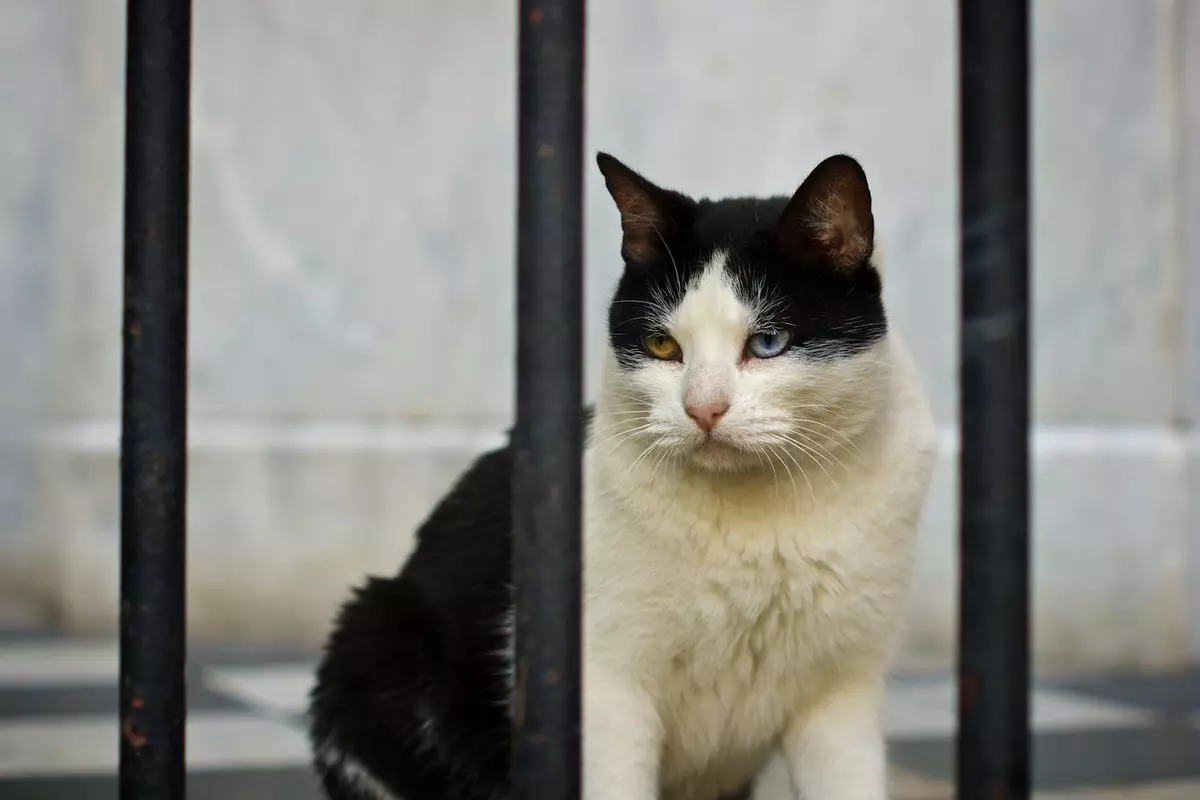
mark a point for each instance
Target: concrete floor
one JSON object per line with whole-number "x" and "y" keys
{"x": 1104, "y": 738}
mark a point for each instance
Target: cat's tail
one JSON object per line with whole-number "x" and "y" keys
{"x": 374, "y": 709}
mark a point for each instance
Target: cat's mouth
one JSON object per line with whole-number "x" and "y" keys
{"x": 717, "y": 453}
{"x": 719, "y": 446}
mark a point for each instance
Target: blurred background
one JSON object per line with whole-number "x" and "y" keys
{"x": 353, "y": 186}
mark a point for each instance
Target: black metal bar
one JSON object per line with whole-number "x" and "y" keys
{"x": 154, "y": 400}
{"x": 547, "y": 446}
{"x": 994, "y": 664}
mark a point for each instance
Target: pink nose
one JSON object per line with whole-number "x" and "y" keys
{"x": 708, "y": 415}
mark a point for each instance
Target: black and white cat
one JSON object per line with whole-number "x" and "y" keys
{"x": 755, "y": 466}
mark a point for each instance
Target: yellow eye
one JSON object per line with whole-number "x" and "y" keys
{"x": 663, "y": 347}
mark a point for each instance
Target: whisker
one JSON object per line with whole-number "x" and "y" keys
{"x": 624, "y": 396}
{"x": 831, "y": 429}
{"x": 643, "y": 454}
{"x": 623, "y": 435}
{"x": 626, "y": 412}
{"x": 792, "y": 478}
{"x": 632, "y": 301}
{"x": 666, "y": 454}
{"x": 759, "y": 450}
{"x": 813, "y": 453}
{"x": 804, "y": 443}
{"x": 800, "y": 469}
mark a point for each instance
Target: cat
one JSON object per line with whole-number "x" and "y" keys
{"x": 755, "y": 465}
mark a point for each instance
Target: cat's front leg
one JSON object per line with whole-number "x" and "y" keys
{"x": 835, "y": 749}
{"x": 622, "y": 739}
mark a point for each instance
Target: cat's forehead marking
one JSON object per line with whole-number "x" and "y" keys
{"x": 711, "y": 311}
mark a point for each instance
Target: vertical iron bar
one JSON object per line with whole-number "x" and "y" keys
{"x": 548, "y": 439}
{"x": 993, "y": 757}
{"x": 154, "y": 400}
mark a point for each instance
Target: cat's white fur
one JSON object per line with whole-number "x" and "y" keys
{"x": 352, "y": 771}
{"x": 745, "y": 595}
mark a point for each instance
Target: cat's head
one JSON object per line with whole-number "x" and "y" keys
{"x": 745, "y": 332}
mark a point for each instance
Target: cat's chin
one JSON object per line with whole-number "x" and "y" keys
{"x": 717, "y": 456}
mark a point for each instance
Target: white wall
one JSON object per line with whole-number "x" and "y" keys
{"x": 353, "y": 185}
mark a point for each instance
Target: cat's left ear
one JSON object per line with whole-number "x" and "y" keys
{"x": 829, "y": 220}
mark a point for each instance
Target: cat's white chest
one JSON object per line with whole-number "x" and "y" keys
{"x": 740, "y": 615}
{"x": 762, "y": 624}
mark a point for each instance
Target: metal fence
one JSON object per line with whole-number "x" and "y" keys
{"x": 993, "y": 742}
{"x": 154, "y": 400}
{"x": 993, "y": 755}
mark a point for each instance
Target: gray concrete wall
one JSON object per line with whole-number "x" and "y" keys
{"x": 38, "y": 100}
{"x": 353, "y": 184}
{"x": 1190, "y": 223}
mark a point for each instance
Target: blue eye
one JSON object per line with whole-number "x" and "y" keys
{"x": 768, "y": 344}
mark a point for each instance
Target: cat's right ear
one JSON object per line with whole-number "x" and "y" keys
{"x": 650, "y": 216}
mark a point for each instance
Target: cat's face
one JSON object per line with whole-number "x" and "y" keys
{"x": 745, "y": 333}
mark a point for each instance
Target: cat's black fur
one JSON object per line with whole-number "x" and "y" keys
{"x": 413, "y": 686}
